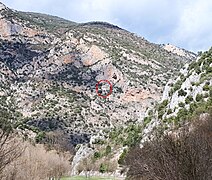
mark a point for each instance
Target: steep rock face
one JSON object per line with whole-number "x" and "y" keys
{"x": 188, "y": 95}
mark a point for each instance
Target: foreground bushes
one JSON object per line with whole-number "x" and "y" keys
{"x": 38, "y": 164}
{"x": 183, "y": 155}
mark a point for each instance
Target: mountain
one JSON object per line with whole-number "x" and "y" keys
{"x": 187, "y": 96}
{"x": 49, "y": 68}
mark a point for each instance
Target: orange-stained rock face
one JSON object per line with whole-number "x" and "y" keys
{"x": 94, "y": 55}
{"x": 7, "y": 29}
{"x": 137, "y": 95}
{"x": 110, "y": 71}
{"x": 30, "y": 32}
{"x": 68, "y": 59}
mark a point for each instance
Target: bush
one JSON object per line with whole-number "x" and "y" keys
{"x": 147, "y": 120}
{"x": 193, "y": 107}
{"x": 177, "y": 85}
{"x": 171, "y": 92}
{"x": 37, "y": 163}
{"x": 206, "y": 87}
{"x": 181, "y": 92}
{"x": 163, "y": 105}
{"x": 103, "y": 168}
{"x": 199, "y": 97}
{"x": 209, "y": 70}
{"x": 99, "y": 141}
{"x": 97, "y": 155}
{"x": 182, "y": 77}
{"x": 108, "y": 150}
{"x": 181, "y": 104}
{"x": 122, "y": 157}
{"x": 188, "y": 99}
{"x": 182, "y": 114}
{"x": 169, "y": 111}
{"x": 39, "y": 137}
{"x": 206, "y": 95}
{"x": 185, "y": 156}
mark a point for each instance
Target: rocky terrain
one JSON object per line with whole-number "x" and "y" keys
{"x": 187, "y": 96}
{"x": 49, "y": 68}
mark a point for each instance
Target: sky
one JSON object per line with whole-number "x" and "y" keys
{"x": 184, "y": 23}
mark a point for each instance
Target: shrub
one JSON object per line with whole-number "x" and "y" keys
{"x": 97, "y": 155}
{"x": 171, "y": 92}
{"x": 181, "y": 92}
{"x": 150, "y": 113}
{"x": 39, "y": 137}
{"x": 122, "y": 157}
{"x": 198, "y": 71}
{"x": 185, "y": 156}
{"x": 147, "y": 120}
{"x": 38, "y": 163}
{"x": 108, "y": 150}
{"x": 177, "y": 85}
{"x": 189, "y": 99}
{"x": 206, "y": 87}
{"x": 99, "y": 141}
{"x": 206, "y": 95}
{"x": 182, "y": 77}
{"x": 160, "y": 114}
{"x": 103, "y": 168}
{"x": 181, "y": 104}
{"x": 163, "y": 105}
{"x": 193, "y": 107}
{"x": 169, "y": 111}
{"x": 209, "y": 70}
{"x": 182, "y": 114}
{"x": 199, "y": 97}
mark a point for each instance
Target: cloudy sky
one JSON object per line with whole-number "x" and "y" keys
{"x": 184, "y": 23}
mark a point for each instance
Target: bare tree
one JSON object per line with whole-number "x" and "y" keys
{"x": 187, "y": 156}
{"x": 10, "y": 148}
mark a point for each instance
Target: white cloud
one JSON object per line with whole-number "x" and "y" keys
{"x": 195, "y": 26}
{"x": 185, "y": 23}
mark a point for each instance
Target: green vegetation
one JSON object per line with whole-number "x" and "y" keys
{"x": 103, "y": 168}
{"x": 108, "y": 150}
{"x": 39, "y": 137}
{"x": 177, "y": 85}
{"x": 189, "y": 99}
{"x": 195, "y": 109}
{"x": 181, "y": 104}
{"x": 99, "y": 141}
{"x": 97, "y": 155}
{"x": 161, "y": 108}
{"x": 147, "y": 120}
{"x": 122, "y": 156}
{"x": 181, "y": 92}
{"x": 169, "y": 111}
{"x": 199, "y": 97}
{"x": 206, "y": 87}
